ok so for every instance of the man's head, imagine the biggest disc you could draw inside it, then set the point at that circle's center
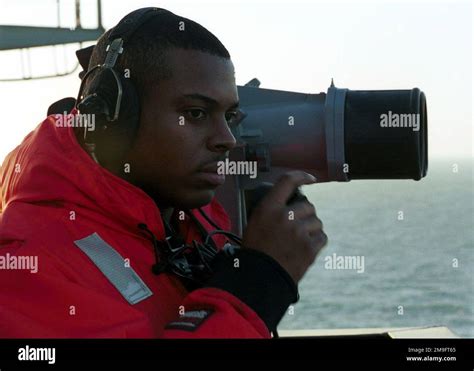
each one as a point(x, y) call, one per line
point(188, 98)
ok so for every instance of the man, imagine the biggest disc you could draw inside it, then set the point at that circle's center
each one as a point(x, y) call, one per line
point(83, 213)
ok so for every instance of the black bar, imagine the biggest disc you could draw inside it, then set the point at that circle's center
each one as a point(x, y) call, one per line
point(349, 349)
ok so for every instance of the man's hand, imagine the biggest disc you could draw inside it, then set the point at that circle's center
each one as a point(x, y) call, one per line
point(290, 234)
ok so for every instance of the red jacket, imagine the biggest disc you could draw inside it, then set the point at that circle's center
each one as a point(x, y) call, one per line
point(53, 194)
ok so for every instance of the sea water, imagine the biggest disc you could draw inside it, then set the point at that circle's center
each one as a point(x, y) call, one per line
point(417, 243)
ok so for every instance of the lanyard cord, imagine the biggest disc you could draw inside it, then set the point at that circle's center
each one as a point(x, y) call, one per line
point(173, 254)
point(209, 220)
point(219, 230)
point(204, 234)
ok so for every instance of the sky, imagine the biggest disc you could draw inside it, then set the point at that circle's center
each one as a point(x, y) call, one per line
point(288, 45)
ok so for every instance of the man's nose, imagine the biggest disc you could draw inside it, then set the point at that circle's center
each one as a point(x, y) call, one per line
point(221, 138)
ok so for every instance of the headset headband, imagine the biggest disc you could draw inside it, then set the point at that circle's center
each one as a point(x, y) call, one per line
point(132, 21)
point(119, 36)
point(124, 31)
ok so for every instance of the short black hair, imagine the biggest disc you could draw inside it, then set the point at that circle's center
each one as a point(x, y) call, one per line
point(144, 53)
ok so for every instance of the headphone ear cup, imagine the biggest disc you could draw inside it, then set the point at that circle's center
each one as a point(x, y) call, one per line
point(101, 100)
point(119, 135)
point(101, 97)
point(112, 138)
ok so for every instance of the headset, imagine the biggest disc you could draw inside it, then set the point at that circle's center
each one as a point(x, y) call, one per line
point(112, 97)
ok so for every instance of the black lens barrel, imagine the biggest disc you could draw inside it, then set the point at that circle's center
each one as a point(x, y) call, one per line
point(385, 134)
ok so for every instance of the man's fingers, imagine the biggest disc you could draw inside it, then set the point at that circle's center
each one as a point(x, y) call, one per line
point(319, 240)
point(312, 225)
point(302, 210)
point(286, 185)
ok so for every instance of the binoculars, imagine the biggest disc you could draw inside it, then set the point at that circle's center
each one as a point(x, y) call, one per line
point(340, 135)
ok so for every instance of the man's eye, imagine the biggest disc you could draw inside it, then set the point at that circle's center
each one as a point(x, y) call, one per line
point(234, 118)
point(231, 117)
point(195, 114)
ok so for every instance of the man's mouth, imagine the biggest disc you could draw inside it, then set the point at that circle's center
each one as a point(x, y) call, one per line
point(208, 174)
point(212, 178)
